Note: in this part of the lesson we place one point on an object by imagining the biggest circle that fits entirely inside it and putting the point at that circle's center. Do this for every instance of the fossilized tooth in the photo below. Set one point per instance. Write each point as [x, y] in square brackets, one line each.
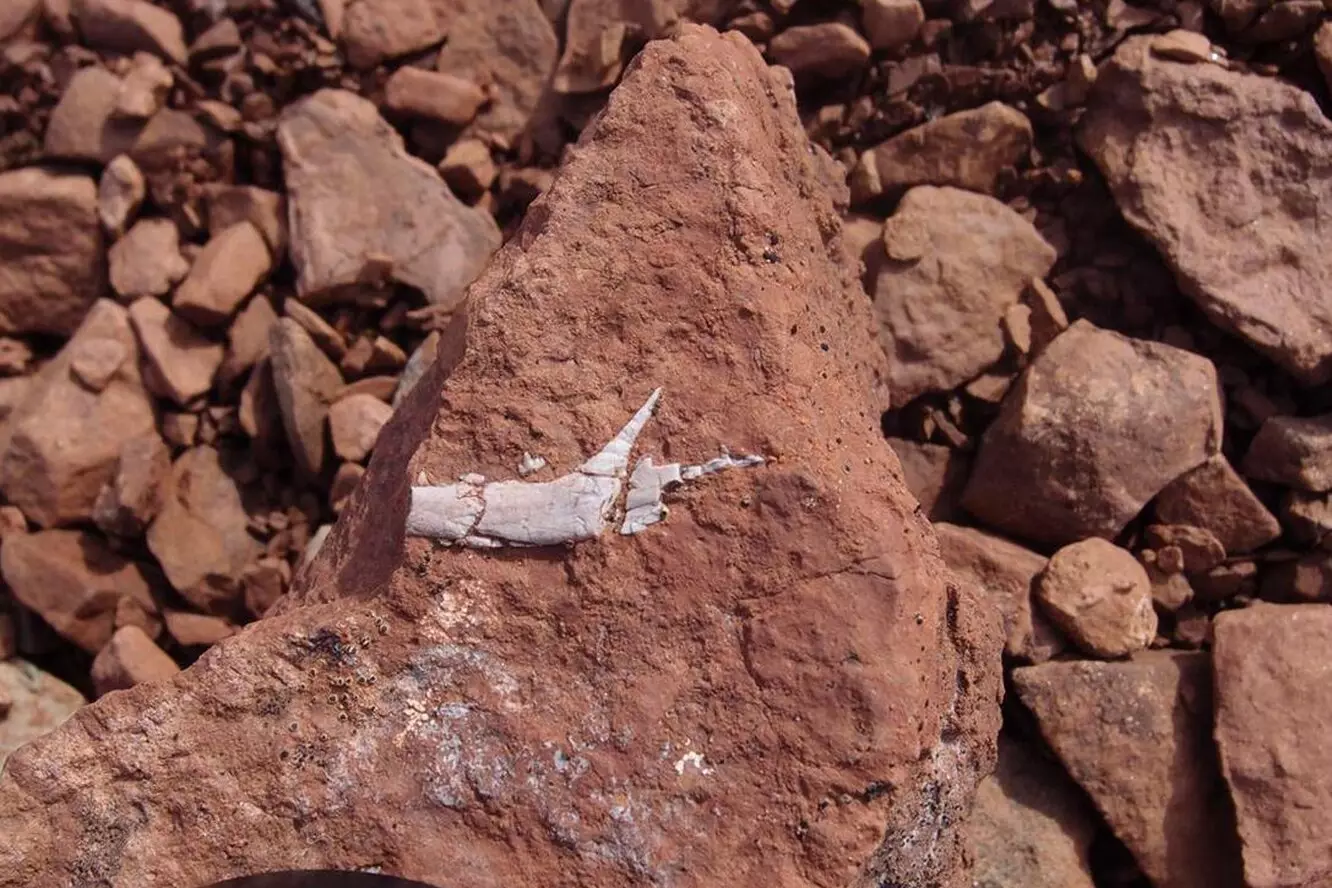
[573, 507]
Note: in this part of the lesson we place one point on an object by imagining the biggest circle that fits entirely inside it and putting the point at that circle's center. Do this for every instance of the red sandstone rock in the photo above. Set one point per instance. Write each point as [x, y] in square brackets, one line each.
[1100, 596]
[247, 339]
[825, 50]
[120, 193]
[180, 362]
[194, 630]
[1215, 498]
[376, 30]
[934, 474]
[147, 260]
[786, 638]
[1095, 427]
[227, 270]
[39, 703]
[128, 504]
[130, 658]
[1293, 450]
[430, 94]
[1136, 735]
[230, 205]
[354, 423]
[305, 382]
[127, 26]
[892, 23]
[83, 125]
[1273, 707]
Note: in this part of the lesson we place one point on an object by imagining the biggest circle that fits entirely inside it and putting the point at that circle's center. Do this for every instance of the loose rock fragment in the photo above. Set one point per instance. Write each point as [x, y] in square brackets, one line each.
[375, 30]
[468, 168]
[227, 270]
[128, 504]
[1272, 712]
[83, 125]
[431, 94]
[1136, 735]
[1303, 580]
[120, 193]
[1006, 573]
[1294, 451]
[247, 339]
[321, 331]
[355, 421]
[892, 23]
[50, 250]
[306, 383]
[1193, 160]
[39, 703]
[1093, 429]
[967, 150]
[934, 474]
[72, 580]
[147, 260]
[1215, 498]
[144, 90]
[1199, 550]
[197, 630]
[957, 262]
[1100, 596]
[356, 195]
[128, 26]
[180, 362]
[130, 658]
[1307, 517]
[230, 205]
[344, 484]
[827, 50]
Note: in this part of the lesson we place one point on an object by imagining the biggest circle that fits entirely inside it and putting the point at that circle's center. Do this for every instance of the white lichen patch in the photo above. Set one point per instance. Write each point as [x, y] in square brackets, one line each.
[574, 507]
[693, 760]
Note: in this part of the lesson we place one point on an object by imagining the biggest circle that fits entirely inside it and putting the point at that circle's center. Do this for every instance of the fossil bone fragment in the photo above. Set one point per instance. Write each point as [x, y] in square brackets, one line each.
[573, 507]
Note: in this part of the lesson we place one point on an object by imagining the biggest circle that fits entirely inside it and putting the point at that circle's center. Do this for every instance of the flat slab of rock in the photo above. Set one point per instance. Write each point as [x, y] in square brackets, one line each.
[1214, 497]
[956, 261]
[1234, 202]
[180, 361]
[62, 441]
[227, 270]
[1136, 735]
[38, 704]
[1091, 431]
[51, 266]
[775, 666]
[1273, 707]
[358, 202]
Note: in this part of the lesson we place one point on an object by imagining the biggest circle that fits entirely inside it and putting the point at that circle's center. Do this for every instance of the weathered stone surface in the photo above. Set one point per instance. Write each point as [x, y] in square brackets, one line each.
[180, 362]
[358, 200]
[62, 441]
[147, 260]
[892, 23]
[934, 475]
[1199, 550]
[964, 150]
[130, 658]
[72, 580]
[956, 262]
[129, 26]
[1095, 427]
[1307, 517]
[200, 536]
[1293, 450]
[376, 30]
[1232, 200]
[508, 49]
[247, 338]
[1306, 579]
[595, 32]
[824, 50]
[51, 266]
[1215, 498]
[1136, 735]
[1005, 572]
[306, 383]
[1032, 828]
[229, 267]
[1273, 707]
[193, 630]
[120, 193]
[83, 125]
[18, 15]
[354, 422]
[812, 652]
[433, 95]
[230, 205]
[127, 505]
[39, 703]
[1101, 596]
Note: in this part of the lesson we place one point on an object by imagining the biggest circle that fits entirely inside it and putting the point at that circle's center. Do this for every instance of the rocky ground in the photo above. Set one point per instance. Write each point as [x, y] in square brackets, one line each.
[235, 235]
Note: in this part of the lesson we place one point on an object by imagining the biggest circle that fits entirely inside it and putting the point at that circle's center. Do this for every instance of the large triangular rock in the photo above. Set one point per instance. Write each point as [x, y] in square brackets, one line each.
[777, 685]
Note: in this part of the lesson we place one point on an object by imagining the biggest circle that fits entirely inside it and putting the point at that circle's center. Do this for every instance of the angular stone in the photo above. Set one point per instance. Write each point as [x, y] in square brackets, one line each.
[144, 90]
[333, 343]
[1095, 427]
[890, 24]
[1293, 450]
[956, 262]
[130, 658]
[1272, 720]
[967, 150]
[229, 267]
[197, 630]
[147, 260]
[508, 49]
[83, 125]
[1100, 596]
[230, 205]
[1303, 580]
[345, 481]
[1199, 550]
[595, 34]
[51, 267]
[418, 92]
[358, 199]
[120, 193]
[1323, 52]
[127, 505]
[421, 360]
[179, 362]
[355, 422]
[247, 339]
[1032, 827]
[128, 26]
[16, 16]
[1136, 735]
[934, 475]
[62, 441]
[1230, 201]
[375, 30]
[94, 362]
[265, 581]
[1005, 572]
[39, 703]
[1307, 516]
[306, 382]
[72, 580]
[787, 583]
[201, 535]
[468, 168]
[1214, 497]
[827, 50]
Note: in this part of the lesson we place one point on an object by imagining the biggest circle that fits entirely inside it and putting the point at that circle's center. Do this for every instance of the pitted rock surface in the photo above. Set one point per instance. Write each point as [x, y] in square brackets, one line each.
[1229, 174]
[778, 686]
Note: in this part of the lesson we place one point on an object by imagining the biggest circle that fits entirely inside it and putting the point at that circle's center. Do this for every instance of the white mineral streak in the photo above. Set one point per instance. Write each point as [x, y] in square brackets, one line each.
[573, 507]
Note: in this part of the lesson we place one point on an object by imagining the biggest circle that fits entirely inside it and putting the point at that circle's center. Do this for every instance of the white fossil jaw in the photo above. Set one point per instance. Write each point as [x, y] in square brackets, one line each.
[577, 506]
